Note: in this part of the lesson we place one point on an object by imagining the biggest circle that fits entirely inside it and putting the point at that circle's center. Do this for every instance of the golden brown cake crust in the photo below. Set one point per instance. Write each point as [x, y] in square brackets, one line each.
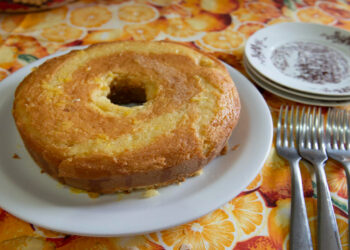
[78, 136]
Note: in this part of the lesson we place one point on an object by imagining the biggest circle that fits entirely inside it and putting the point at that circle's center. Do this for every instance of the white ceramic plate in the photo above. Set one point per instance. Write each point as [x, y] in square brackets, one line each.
[306, 57]
[37, 198]
[294, 92]
[289, 96]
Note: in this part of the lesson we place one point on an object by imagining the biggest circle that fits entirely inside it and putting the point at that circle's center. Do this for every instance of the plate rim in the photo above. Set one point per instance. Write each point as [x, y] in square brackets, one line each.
[249, 88]
[292, 91]
[290, 96]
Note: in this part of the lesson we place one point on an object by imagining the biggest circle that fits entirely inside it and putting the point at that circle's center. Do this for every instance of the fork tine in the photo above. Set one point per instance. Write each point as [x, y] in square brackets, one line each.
[297, 124]
[308, 123]
[321, 129]
[341, 128]
[347, 130]
[329, 128]
[285, 128]
[291, 127]
[302, 129]
[314, 125]
[279, 124]
[334, 129]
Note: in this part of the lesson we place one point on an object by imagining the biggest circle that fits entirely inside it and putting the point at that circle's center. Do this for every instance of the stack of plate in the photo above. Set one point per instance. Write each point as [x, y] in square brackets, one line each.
[302, 62]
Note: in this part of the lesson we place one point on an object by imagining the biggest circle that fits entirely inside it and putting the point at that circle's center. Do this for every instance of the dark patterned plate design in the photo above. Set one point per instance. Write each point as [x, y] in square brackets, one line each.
[306, 57]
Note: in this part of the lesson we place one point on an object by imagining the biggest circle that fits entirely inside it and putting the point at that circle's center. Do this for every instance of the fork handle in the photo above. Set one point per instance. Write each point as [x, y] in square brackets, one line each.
[300, 236]
[328, 236]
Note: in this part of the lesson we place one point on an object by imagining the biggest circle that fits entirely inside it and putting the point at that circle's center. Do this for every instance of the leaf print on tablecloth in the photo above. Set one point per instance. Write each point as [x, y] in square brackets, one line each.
[27, 58]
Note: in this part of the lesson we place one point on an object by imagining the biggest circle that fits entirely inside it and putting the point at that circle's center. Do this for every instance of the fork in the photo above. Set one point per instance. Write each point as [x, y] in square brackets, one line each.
[312, 148]
[300, 236]
[338, 142]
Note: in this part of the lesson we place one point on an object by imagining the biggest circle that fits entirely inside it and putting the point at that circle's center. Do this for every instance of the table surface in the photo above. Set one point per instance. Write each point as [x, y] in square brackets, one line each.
[259, 217]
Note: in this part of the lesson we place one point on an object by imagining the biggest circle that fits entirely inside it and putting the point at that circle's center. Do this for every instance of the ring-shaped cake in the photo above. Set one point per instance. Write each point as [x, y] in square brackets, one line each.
[126, 115]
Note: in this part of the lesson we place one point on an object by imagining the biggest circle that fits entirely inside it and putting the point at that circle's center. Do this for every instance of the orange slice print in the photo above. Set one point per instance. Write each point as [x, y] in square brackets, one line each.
[97, 36]
[3, 75]
[248, 28]
[136, 13]
[258, 12]
[255, 183]
[255, 243]
[91, 16]
[276, 182]
[214, 230]
[223, 40]
[40, 20]
[40, 231]
[336, 10]
[61, 33]
[135, 242]
[178, 28]
[26, 45]
[146, 32]
[219, 7]
[8, 56]
[88, 243]
[314, 15]
[27, 243]
[279, 20]
[174, 11]
[248, 212]
[343, 228]
[344, 24]
[9, 23]
[11, 227]
[336, 178]
[209, 22]
[164, 2]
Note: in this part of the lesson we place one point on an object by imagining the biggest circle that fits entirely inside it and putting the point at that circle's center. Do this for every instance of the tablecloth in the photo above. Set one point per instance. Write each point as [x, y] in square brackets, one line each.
[258, 218]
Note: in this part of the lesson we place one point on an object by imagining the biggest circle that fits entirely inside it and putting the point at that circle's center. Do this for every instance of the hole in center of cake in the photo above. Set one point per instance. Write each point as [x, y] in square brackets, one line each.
[126, 94]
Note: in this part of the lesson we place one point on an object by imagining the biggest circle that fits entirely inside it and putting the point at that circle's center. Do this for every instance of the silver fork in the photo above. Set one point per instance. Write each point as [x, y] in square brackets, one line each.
[300, 236]
[338, 142]
[312, 148]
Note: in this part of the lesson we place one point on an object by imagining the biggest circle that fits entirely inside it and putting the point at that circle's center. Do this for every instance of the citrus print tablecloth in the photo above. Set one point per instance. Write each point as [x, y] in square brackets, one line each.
[258, 218]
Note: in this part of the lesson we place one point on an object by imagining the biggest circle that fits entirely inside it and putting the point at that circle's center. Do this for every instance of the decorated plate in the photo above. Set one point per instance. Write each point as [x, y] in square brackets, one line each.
[40, 200]
[290, 96]
[306, 57]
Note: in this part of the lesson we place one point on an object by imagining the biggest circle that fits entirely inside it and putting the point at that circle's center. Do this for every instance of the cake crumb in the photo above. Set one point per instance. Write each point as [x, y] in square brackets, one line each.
[16, 156]
[199, 172]
[150, 193]
[93, 195]
[42, 171]
[120, 196]
[235, 147]
[224, 150]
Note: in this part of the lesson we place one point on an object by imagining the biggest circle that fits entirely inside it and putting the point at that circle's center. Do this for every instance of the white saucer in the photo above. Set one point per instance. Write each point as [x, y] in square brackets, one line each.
[292, 91]
[292, 97]
[305, 57]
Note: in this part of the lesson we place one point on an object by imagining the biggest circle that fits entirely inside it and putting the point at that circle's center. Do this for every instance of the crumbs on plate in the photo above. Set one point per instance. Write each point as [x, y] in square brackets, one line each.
[150, 193]
[16, 156]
